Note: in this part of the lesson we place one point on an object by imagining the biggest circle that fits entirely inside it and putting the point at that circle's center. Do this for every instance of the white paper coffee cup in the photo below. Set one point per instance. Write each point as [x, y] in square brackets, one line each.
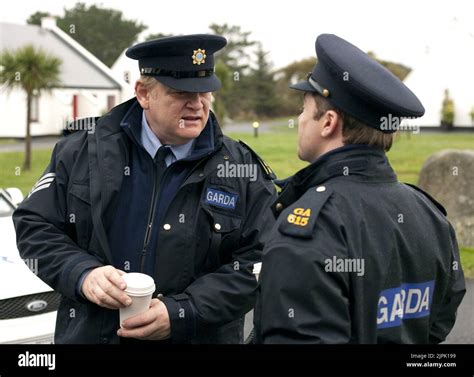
[140, 288]
[257, 267]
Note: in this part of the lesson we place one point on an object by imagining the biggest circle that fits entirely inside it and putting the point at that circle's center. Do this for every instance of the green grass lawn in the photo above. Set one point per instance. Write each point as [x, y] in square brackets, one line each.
[467, 262]
[11, 174]
[278, 148]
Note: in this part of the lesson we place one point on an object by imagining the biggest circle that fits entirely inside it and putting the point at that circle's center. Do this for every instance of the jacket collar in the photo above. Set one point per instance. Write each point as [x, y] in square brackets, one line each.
[354, 162]
[151, 143]
[207, 142]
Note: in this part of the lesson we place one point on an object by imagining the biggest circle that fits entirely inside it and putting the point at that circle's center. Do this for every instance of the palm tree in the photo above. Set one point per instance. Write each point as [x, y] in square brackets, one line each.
[34, 71]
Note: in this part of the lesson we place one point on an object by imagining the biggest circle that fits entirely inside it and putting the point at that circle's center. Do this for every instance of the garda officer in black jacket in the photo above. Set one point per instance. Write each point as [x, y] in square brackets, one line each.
[148, 191]
[355, 255]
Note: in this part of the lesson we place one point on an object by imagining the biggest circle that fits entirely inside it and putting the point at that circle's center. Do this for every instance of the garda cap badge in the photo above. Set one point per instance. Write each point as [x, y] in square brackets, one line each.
[199, 56]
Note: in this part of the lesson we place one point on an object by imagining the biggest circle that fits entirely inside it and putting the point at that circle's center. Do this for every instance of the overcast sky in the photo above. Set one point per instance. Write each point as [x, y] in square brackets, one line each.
[400, 30]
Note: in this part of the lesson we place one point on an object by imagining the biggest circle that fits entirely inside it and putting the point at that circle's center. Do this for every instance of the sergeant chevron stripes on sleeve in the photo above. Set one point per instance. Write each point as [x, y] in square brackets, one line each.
[43, 183]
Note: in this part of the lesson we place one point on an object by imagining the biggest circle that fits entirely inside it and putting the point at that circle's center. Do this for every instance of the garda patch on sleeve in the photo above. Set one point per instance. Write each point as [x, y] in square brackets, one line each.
[221, 199]
[404, 302]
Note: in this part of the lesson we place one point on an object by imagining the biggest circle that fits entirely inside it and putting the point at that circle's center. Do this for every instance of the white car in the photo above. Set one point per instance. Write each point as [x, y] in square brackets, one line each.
[28, 306]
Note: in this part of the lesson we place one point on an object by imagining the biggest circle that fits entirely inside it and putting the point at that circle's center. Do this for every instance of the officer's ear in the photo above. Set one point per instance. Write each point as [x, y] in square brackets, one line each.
[331, 124]
[146, 89]
[142, 94]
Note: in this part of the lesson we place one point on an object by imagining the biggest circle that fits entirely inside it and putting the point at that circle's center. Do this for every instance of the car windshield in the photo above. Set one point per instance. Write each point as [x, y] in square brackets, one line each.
[6, 207]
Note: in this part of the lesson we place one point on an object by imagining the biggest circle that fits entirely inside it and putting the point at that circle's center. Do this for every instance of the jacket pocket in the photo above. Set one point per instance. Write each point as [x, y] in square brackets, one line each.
[81, 191]
[79, 214]
[224, 233]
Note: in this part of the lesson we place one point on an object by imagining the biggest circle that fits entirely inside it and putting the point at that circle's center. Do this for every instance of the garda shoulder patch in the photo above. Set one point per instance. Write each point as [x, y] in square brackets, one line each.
[221, 199]
[299, 219]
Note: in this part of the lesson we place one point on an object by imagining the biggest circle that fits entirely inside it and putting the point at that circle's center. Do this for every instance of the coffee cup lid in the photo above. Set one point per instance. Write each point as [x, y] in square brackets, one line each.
[139, 284]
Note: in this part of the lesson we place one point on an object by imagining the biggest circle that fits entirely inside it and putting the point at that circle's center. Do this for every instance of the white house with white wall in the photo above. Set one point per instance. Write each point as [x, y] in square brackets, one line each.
[88, 87]
[127, 70]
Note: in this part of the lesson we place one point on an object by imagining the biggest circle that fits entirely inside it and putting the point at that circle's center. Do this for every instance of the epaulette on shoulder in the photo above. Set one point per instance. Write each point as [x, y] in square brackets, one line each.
[82, 124]
[269, 174]
[433, 200]
[299, 219]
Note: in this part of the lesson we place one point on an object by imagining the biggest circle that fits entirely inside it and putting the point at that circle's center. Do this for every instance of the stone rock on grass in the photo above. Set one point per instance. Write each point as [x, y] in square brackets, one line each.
[448, 176]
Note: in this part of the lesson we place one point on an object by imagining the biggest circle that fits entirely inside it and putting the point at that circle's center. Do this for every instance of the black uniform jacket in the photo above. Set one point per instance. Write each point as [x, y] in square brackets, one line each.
[203, 266]
[357, 257]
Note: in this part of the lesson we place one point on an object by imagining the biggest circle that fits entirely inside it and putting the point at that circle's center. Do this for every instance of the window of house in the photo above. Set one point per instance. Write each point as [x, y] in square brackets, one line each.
[110, 102]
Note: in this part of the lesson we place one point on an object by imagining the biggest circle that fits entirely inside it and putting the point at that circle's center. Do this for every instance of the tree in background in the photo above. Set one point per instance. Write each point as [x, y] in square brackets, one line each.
[264, 99]
[447, 111]
[233, 100]
[102, 31]
[34, 71]
[35, 18]
[290, 102]
[225, 75]
[235, 54]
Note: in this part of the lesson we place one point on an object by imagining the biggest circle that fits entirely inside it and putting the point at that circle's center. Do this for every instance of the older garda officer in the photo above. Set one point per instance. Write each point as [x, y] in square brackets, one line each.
[142, 194]
[355, 255]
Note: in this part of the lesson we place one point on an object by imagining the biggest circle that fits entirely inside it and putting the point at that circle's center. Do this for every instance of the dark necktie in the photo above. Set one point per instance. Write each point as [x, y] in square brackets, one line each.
[160, 163]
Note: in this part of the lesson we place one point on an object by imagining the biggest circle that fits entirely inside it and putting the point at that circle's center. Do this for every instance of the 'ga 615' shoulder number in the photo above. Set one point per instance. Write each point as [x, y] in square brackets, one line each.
[300, 216]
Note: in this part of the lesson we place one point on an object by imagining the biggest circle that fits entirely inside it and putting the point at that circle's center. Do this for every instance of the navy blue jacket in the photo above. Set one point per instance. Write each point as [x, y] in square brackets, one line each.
[357, 257]
[208, 237]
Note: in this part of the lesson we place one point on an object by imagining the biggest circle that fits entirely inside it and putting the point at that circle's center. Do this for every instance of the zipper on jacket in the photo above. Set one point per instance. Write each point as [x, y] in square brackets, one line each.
[151, 215]
[155, 198]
